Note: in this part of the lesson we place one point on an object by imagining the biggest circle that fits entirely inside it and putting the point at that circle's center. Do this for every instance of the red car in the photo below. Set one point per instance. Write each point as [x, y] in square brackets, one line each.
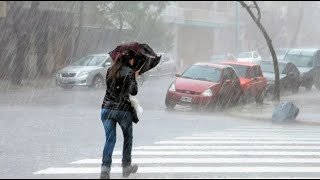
[252, 80]
[204, 85]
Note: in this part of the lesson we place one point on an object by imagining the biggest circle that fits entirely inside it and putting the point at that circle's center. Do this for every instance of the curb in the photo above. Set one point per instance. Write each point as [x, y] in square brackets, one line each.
[240, 115]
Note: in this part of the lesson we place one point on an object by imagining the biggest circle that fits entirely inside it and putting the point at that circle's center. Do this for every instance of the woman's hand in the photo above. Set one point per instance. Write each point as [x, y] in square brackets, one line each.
[136, 74]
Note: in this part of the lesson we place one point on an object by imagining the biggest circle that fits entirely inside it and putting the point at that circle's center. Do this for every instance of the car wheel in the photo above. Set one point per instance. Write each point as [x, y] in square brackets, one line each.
[221, 103]
[295, 89]
[260, 97]
[169, 105]
[97, 82]
[317, 80]
[245, 99]
[309, 86]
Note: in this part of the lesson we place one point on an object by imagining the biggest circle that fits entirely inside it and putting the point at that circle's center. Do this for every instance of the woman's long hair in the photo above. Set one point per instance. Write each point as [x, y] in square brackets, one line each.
[123, 60]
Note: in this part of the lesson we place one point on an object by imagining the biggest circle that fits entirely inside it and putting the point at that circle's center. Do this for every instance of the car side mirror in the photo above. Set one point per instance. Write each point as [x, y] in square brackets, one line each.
[177, 75]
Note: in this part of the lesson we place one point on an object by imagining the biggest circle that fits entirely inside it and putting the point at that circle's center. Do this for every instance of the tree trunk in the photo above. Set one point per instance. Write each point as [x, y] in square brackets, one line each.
[276, 93]
[76, 43]
[20, 31]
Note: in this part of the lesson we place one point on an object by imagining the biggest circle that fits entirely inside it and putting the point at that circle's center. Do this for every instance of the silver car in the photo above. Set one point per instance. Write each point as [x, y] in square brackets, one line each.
[87, 71]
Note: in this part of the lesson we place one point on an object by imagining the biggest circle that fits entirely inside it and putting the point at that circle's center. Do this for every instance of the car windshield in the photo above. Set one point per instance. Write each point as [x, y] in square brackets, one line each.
[245, 55]
[268, 67]
[203, 73]
[90, 61]
[300, 60]
[240, 70]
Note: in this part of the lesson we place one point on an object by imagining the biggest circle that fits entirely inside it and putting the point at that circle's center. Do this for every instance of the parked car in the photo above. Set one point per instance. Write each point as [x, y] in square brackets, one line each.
[205, 85]
[251, 56]
[308, 63]
[167, 66]
[252, 81]
[222, 57]
[289, 76]
[87, 71]
[281, 52]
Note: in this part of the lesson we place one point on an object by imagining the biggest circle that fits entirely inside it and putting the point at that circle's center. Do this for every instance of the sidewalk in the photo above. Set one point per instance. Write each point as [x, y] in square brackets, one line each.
[307, 102]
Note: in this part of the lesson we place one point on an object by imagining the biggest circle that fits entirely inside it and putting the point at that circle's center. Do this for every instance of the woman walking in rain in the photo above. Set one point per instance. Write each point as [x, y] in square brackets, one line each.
[116, 108]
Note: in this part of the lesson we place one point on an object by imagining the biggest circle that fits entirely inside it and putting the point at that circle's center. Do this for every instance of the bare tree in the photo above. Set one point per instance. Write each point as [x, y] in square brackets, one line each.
[257, 19]
[296, 33]
[76, 43]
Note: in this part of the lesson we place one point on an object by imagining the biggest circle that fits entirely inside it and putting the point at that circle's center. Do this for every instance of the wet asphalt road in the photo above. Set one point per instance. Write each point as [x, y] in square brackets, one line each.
[50, 128]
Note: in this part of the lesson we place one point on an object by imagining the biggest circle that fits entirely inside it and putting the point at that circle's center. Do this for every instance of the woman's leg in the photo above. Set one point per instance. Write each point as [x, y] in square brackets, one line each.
[125, 122]
[110, 131]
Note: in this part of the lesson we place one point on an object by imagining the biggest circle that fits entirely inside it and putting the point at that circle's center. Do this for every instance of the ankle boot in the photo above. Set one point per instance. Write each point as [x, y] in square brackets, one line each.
[105, 172]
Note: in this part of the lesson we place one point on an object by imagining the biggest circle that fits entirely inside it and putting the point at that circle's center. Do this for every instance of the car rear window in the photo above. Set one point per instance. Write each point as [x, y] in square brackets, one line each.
[300, 60]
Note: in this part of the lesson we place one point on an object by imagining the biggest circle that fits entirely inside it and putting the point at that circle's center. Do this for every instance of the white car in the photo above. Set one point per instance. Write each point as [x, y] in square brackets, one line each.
[251, 56]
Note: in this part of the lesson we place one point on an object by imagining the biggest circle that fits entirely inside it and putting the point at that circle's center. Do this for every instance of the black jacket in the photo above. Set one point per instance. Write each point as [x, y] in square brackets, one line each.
[118, 90]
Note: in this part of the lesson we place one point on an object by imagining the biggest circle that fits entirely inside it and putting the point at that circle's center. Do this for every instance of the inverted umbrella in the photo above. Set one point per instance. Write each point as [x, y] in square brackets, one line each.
[145, 57]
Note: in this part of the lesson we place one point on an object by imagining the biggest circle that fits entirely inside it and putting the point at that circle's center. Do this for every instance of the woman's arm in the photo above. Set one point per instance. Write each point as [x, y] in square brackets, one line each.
[133, 85]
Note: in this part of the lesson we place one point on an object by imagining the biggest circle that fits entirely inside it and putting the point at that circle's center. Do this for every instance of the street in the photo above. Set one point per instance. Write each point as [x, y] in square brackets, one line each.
[56, 133]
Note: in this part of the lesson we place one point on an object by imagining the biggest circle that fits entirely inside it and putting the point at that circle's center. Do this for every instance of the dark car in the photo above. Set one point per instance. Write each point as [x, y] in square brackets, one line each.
[205, 85]
[289, 76]
[308, 63]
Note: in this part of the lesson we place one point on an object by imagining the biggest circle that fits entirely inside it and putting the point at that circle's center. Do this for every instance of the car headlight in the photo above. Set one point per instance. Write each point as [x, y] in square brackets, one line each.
[83, 74]
[207, 92]
[172, 88]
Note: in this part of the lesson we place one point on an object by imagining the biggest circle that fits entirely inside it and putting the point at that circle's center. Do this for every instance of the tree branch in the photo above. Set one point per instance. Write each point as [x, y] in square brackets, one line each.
[258, 10]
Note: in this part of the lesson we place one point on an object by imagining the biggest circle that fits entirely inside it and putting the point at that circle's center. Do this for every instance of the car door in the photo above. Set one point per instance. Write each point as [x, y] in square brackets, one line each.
[226, 83]
[293, 75]
[258, 82]
[236, 88]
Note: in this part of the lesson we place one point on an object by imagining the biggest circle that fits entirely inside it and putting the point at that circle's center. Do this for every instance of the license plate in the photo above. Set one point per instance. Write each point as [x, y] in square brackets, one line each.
[186, 99]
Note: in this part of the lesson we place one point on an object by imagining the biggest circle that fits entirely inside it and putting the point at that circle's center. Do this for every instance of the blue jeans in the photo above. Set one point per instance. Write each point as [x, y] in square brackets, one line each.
[109, 119]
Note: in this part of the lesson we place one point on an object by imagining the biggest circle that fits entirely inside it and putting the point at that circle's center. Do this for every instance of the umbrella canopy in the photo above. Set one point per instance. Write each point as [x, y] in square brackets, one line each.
[145, 57]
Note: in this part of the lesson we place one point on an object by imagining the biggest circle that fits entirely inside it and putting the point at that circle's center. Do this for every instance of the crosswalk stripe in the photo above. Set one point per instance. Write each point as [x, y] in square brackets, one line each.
[224, 152]
[204, 160]
[259, 134]
[232, 169]
[238, 142]
[252, 147]
[248, 138]
[273, 130]
[246, 149]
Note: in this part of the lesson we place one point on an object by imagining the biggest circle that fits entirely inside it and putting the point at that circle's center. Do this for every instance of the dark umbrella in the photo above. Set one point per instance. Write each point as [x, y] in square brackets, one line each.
[144, 55]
